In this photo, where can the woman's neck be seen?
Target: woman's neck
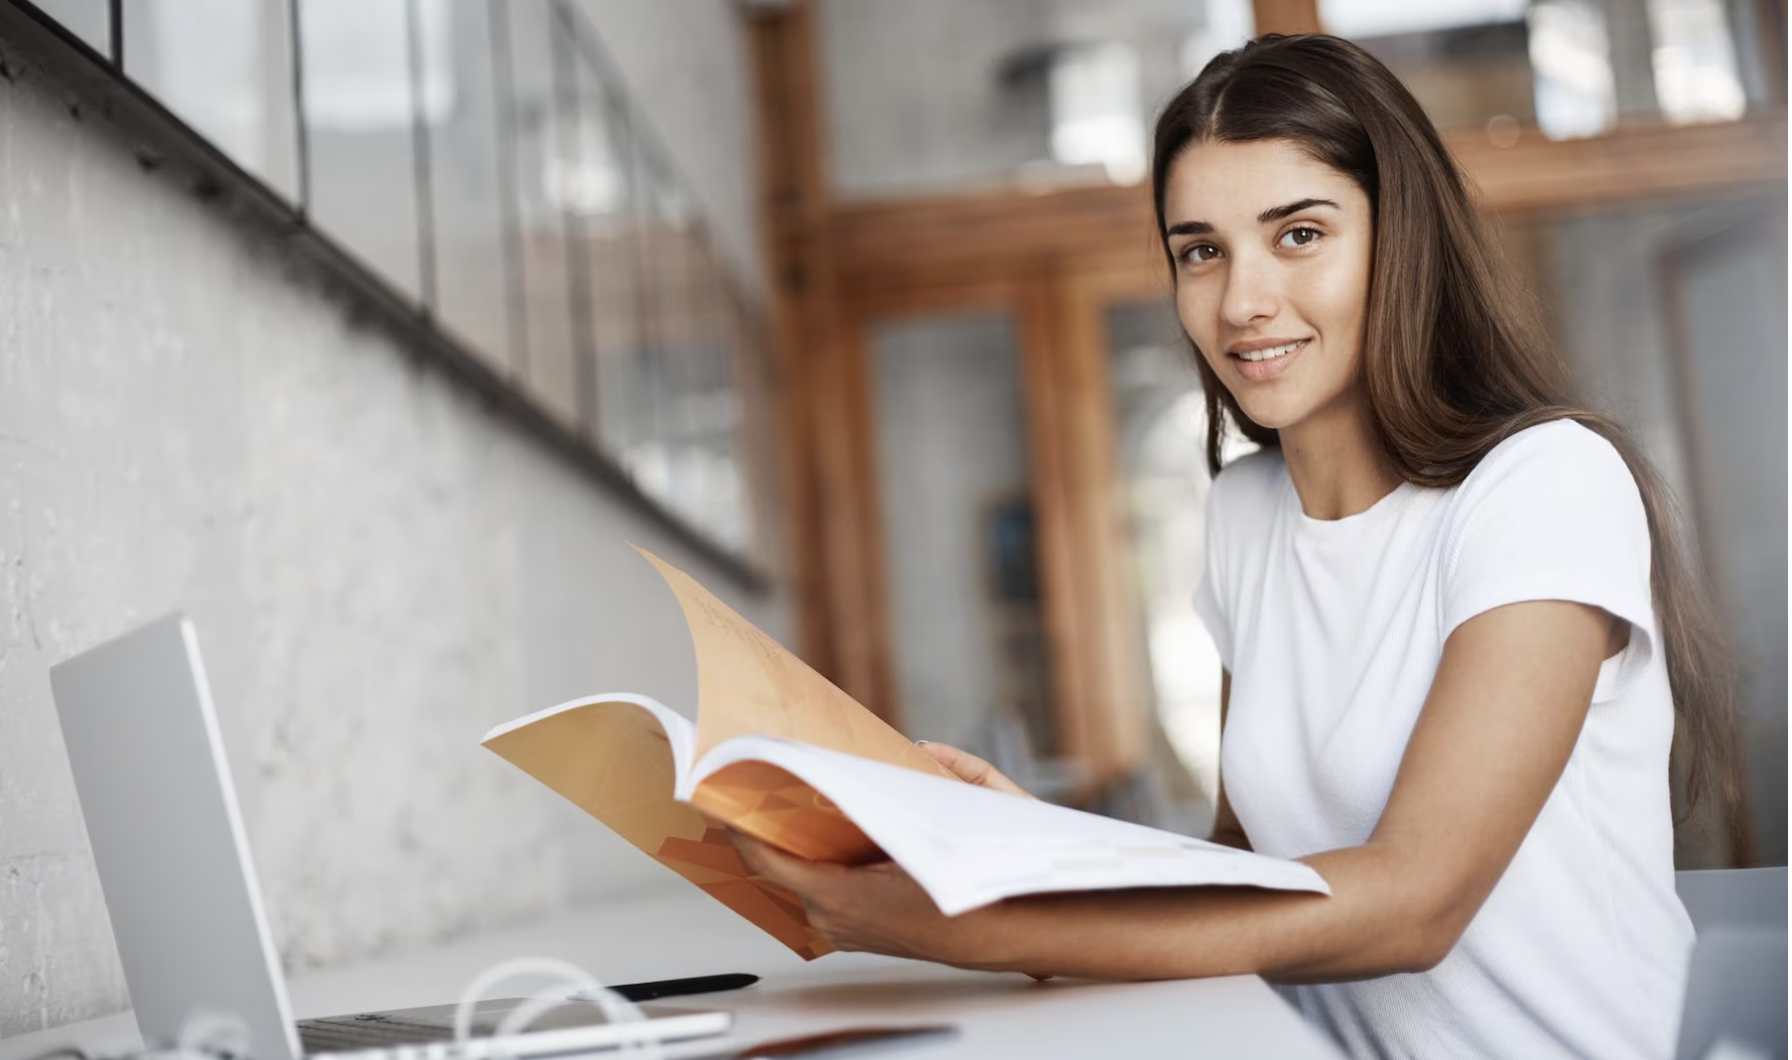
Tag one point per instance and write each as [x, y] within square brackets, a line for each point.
[1336, 463]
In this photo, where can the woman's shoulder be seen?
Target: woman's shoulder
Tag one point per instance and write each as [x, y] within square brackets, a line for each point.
[1551, 513]
[1561, 473]
[1562, 453]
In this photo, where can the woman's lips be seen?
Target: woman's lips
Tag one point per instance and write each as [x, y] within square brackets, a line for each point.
[1269, 368]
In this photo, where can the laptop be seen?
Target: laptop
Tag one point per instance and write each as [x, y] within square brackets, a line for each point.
[186, 909]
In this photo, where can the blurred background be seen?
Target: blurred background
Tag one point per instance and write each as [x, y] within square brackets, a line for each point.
[366, 333]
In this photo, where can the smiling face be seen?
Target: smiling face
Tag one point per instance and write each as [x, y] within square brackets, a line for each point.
[1272, 252]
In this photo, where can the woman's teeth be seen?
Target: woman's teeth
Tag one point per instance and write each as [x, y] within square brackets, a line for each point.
[1272, 353]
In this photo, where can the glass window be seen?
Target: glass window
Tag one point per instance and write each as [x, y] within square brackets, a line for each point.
[1696, 71]
[1160, 445]
[360, 127]
[1225, 24]
[1470, 62]
[1572, 68]
[630, 384]
[544, 184]
[225, 68]
[699, 464]
[480, 157]
[715, 491]
[90, 20]
[1387, 18]
[605, 216]
[632, 375]
[956, 504]
[1571, 57]
[467, 187]
[1096, 111]
[1011, 92]
[666, 298]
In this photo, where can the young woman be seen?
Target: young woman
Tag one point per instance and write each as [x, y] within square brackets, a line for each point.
[1456, 625]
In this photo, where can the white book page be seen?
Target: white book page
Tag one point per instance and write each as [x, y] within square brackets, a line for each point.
[969, 847]
[680, 733]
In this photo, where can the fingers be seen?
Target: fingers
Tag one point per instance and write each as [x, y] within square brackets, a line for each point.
[971, 769]
[765, 860]
[875, 908]
[762, 858]
[817, 886]
[963, 764]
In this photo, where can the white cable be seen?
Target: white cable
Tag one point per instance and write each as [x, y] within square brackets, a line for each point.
[566, 977]
[205, 1034]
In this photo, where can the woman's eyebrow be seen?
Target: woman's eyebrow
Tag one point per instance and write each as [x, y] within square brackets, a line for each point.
[1274, 213]
[1189, 228]
[1277, 213]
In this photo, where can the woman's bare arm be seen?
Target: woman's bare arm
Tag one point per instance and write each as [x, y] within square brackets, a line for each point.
[1502, 716]
[1226, 829]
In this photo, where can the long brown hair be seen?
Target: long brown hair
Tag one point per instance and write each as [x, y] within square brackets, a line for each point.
[1455, 358]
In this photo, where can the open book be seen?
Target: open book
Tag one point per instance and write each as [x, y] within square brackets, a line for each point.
[781, 754]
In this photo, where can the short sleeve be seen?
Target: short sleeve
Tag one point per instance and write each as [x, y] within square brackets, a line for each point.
[1208, 607]
[1208, 610]
[1553, 513]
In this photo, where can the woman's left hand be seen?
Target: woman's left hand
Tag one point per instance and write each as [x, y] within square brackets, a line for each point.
[878, 909]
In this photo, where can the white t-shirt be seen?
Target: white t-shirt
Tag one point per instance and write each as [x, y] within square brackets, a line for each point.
[1332, 631]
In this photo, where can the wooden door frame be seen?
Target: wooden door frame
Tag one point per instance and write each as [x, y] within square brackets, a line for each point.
[1058, 307]
[1104, 715]
[847, 496]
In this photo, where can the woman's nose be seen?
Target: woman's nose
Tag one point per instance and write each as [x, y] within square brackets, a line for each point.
[1250, 292]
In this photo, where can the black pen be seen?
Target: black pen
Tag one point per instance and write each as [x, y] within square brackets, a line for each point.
[697, 984]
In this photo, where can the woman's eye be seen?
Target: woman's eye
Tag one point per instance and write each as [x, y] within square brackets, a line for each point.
[1300, 237]
[1197, 253]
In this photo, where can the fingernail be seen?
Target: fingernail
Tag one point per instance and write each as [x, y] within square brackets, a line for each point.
[922, 743]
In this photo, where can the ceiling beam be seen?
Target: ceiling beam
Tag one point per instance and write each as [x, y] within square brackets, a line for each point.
[944, 241]
[1539, 175]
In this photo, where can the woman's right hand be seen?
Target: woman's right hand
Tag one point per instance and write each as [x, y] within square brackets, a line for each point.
[971, 769]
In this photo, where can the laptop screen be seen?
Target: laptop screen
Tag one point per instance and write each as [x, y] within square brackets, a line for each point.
[167, 837]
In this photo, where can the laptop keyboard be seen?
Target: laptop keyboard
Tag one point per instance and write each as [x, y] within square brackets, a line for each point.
[340, 1034]
[434, 1023]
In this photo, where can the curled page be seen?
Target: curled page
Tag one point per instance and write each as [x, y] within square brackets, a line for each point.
[750, 685]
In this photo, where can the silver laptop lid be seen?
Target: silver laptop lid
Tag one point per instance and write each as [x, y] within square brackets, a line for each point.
[167, 837]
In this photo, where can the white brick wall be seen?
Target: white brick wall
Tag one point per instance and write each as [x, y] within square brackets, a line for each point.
[379, 568]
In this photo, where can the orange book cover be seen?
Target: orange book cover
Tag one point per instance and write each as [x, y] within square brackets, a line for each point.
[620, 758]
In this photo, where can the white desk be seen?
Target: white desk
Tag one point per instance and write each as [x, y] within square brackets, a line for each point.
[684, 933]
